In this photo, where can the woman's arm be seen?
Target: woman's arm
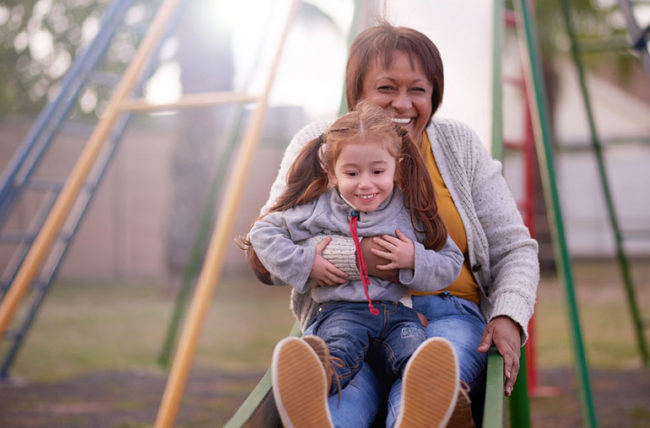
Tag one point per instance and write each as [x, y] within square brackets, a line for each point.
[513, 262]
[513, 272]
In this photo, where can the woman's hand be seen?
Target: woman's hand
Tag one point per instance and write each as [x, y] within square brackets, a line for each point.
[505, 334]
[372, 261]
[398, 250]
[323, 272]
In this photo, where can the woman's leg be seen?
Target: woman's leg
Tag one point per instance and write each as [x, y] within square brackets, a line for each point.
[460, 322]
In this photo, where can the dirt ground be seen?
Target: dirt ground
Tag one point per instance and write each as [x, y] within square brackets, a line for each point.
[129, 400]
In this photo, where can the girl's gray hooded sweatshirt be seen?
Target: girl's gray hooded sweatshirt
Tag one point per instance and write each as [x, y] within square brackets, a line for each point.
[276, 239]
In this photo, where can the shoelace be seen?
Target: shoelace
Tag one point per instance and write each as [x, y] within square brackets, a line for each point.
[363, 270]
[329, 362]
[339, 363]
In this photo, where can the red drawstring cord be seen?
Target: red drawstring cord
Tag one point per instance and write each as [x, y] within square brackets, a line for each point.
[363, 270]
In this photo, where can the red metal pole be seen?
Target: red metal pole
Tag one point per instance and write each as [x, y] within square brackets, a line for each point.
[528, 207]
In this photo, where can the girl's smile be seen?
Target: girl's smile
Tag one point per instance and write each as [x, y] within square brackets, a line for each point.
[364, 174]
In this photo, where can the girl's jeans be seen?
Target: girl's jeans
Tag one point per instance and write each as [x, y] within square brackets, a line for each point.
[459, 321]
[349, 329]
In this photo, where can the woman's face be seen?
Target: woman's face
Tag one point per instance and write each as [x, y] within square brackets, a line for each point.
[402, 90]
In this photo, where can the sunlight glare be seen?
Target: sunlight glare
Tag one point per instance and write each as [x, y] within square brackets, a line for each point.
[164, 86]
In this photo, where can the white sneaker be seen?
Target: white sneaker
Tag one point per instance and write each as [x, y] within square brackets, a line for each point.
[429, 385]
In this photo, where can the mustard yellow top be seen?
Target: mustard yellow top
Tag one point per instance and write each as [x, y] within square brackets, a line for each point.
[465, 286]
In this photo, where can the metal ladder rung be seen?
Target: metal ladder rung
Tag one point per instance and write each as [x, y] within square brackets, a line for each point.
[76, 129]
[623, 140]
[45, 185]
[513, 145]
[636, 234]
[189, 101]
[54, 186]
[608, 45]
[639, 39]
[39, 285]
[13, 236]
[13, 334]
[139, 28]
[102, 78]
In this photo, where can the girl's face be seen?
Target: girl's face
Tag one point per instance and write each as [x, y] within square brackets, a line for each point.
[364, 174]
[402, 90]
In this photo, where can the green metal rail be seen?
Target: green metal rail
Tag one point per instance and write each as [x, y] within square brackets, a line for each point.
[544, 145]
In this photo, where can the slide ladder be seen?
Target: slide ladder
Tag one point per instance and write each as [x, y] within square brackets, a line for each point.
[20, 181]
[544, 145]
[636, 43]
[43, 245]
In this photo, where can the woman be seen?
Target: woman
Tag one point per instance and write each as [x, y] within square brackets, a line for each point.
[400, 70]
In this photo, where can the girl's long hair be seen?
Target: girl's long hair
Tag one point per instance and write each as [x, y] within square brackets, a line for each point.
[308, 178]
[413, 178]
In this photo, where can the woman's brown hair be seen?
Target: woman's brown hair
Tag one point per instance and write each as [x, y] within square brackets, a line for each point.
[378, 43]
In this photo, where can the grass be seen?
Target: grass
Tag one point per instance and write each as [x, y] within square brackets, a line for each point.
[606, 325]
[86, 327]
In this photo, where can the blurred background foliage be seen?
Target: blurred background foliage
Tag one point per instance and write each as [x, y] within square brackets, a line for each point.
[40, 38]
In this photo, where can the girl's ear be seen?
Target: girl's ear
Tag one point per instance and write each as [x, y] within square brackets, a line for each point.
[332, 179]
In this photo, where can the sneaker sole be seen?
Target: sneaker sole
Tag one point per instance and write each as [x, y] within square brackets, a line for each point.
[430, 386]
[299, 385]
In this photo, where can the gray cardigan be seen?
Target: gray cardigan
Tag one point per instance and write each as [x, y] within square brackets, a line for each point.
[276, 239]
[502, 254]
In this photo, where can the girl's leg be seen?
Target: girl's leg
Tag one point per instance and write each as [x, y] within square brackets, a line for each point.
[346, 329]
[360, 399]
[460, 322]
[359, 403]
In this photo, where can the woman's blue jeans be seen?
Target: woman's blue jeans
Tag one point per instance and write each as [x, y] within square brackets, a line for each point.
[459, 321]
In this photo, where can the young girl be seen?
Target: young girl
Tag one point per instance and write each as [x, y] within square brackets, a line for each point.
[363, 177]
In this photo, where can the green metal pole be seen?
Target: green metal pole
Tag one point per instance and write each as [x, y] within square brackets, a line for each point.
[613, 218]
[493, 406]
[497, 81]
[547, 168]
[519, 402]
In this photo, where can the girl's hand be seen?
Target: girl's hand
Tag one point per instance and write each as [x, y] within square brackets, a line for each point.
[372, 261]
[399, 251]
[323, 272]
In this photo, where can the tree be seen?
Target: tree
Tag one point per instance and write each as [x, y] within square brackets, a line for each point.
[39, 41]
